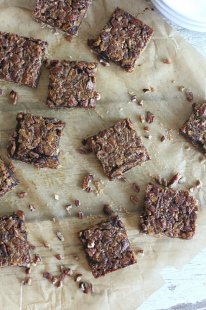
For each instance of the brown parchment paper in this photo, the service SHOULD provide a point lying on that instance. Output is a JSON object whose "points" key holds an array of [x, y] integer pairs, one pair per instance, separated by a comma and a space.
{"points": [[128, 288]]}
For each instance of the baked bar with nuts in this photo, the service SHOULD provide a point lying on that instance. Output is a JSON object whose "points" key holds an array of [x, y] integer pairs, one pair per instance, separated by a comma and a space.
{"points": [[64, 15], [107, 247], [7, 178], [21, 59], [14, 247], [72, 84], [122, 40], [194, 129], [169, 212], [36, 140], [118, 148]]}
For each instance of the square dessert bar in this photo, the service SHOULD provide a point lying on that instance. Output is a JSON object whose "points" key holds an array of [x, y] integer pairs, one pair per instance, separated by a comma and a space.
{"points": [[72, 84], [118, 148], [195, 128], [36, 140], [122, 40], [7, 178], [21, 59], [14, 247], [64, 15], [107, 247], [168, 212]]}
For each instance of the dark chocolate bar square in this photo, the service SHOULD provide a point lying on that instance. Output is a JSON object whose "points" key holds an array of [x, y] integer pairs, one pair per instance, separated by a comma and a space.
{"points": [[64, 15], [118, 148], [107, 247], [36, 140], [194, 130], [169, 212], [21, 59], [14, 247], [122, 40], [7, 178], [72, 84]]}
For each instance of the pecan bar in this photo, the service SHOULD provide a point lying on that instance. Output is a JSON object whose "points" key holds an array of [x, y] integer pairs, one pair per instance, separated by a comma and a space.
{"points": [[7, 178], [36, 140], [195, 128], [64, 15], [168, 212], [122, 40], [107, 247], [21, 59], [14, 247], [118, 148], [72, 84]]}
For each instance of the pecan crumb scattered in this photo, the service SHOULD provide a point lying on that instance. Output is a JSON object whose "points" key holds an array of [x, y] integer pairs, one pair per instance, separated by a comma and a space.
{"points": [[83, 150], [98, 185], [59, 256], [146, 128], [133, 97], [28, 270], [78, 277], [13, 96], [77, 203], [136, 187], [141, 103], [60, 236], [174, 180], [32, 208], [86, 287], [189, 95], [56, 197], [122, 178], [108, 210], [21, 194], [167, 61], [46, 245], [181, 88], [80, 215], [146, 90], [162, 139], [26, 281], [198, 184], [86, 182], [142, 118], [37, 259], [149, 137], [68, 208], [134, 199], [149, 117]]}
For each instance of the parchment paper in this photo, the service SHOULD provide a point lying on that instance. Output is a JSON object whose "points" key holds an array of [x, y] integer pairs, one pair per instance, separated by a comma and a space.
{"points": [[128, 288]]}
